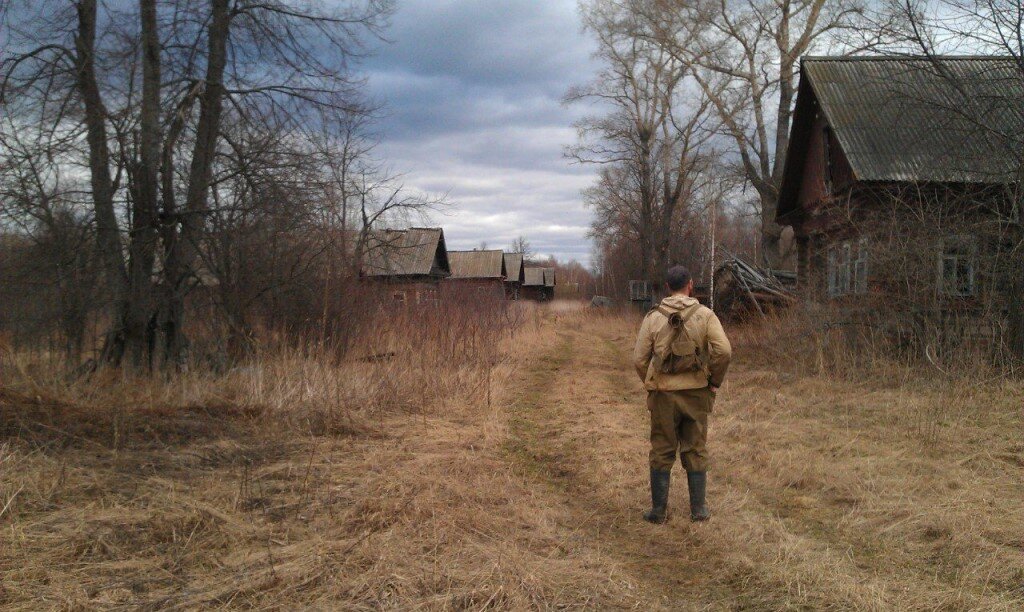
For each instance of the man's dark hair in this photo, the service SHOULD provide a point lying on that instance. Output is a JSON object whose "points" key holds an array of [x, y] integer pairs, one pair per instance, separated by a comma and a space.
{"points": [[677, 277]]}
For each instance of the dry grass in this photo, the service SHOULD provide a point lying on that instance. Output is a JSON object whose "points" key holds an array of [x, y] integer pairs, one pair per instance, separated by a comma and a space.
{"points": [[393, 483]]}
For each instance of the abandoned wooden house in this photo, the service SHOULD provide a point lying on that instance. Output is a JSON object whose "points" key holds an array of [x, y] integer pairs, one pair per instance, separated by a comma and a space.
{"points": [[535, 285], [407, 264], [549, 282], [481, 271], [898, 177], [514, 275]]}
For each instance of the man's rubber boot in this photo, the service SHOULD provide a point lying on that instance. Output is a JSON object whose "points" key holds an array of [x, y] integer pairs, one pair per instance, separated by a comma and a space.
{"points": [[697, 482], [660, 481]]}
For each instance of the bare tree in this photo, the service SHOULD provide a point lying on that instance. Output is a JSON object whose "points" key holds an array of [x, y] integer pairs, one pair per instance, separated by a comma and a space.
{"points": [[653, 144], [743, 54], [522, 246], [151, 152]]}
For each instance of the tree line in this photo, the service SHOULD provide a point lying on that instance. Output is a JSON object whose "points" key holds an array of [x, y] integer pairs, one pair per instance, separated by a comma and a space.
{"points": [[155, 156]]}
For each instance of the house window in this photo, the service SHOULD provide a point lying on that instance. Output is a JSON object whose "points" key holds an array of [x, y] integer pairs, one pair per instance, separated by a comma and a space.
{"points": [[847, 275], [398, 296], [957, 263], [860, 268], [427, 296]]}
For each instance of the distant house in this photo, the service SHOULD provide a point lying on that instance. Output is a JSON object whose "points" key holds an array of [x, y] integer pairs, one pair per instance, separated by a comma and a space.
{"points": [[538, 284], [484, 271], [408, 264], [514, 275], [549, 282], [897, 174]]}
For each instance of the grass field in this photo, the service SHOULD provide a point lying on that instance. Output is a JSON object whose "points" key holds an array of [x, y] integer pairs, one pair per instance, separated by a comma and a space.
{"points": [[509, 484]]}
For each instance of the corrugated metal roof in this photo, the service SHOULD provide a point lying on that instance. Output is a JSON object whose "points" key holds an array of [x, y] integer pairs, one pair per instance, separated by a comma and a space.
{"points": [[477, 264], [549, 277], [534, 277], [514, 267], [411, 252], [947, 119]]}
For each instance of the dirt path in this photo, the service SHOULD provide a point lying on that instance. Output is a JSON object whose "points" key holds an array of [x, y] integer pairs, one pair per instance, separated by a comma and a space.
{"points": [[580, 432], [796, 523]]}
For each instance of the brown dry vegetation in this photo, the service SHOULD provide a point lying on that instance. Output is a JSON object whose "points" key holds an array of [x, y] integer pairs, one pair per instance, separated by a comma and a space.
{"points": [[299, 481]]}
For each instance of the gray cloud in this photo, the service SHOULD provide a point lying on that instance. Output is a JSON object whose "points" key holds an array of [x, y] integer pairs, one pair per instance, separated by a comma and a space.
{"points": [[473, 90]]}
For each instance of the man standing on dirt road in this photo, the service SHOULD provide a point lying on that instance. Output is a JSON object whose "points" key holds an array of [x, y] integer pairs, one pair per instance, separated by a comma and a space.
{"points": [[681, 356]]}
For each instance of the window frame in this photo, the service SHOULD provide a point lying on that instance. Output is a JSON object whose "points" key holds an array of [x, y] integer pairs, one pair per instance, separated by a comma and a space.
{"points": [[958, 248], [847, 275], [861, 268]]}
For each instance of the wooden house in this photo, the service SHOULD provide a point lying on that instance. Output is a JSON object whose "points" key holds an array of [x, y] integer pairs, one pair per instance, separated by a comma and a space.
{"points": [[514, 275], [535, 285], [549, 282], [483, 272], [407, 264], [892, 163]]}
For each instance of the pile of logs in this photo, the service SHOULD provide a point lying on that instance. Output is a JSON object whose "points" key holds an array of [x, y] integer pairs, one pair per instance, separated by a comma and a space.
{"points": [[742, 290]]}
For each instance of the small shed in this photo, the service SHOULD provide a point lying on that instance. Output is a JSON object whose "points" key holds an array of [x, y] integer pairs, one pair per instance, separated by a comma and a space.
{"points": [[514, 275], [407, 264]]}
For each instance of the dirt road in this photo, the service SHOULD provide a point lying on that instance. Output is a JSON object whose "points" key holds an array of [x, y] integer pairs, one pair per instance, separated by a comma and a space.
{"points": [[820, 500]]}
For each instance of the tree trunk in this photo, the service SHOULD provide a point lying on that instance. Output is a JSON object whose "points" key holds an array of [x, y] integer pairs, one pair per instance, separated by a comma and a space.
{"points": [[108, 235], [771, 233], [184, 250], [139, 311]]}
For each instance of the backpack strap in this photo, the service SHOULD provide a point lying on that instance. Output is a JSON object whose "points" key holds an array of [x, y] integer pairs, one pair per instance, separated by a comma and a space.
{"points": [[668, 312]]}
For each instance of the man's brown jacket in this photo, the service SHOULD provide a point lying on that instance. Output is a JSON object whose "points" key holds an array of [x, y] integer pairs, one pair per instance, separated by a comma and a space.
{"points": [[705, 329]]}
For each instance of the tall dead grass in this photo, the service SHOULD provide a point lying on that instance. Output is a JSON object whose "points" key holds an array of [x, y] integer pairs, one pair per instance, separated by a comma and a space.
{"points": [[934, 384], [367, 478]]}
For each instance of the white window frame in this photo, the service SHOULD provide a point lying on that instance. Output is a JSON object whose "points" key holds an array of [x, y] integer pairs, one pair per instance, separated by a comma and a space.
{"points": [[953, 251], [842, 269], [860, 268]]}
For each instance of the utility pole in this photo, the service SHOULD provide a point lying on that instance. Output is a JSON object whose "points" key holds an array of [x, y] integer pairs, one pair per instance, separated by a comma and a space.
{"points": [[714, 239]]}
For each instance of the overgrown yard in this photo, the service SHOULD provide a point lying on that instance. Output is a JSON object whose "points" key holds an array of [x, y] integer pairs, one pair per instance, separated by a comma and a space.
{"points": [[516, 482]]}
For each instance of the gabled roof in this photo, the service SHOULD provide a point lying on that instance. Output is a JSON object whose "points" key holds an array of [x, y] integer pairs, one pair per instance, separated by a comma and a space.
{"points": [[477, 264], [549, 277], [912, 119], [534, 277], [412, 252], [514, 267]]}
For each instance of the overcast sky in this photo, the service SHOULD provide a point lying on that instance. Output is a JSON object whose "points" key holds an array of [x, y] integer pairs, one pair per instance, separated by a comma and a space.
{"points": [[473, 90]]}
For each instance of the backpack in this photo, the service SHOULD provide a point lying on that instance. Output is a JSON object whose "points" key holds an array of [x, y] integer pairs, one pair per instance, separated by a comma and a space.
{"points": [[675, 352]]}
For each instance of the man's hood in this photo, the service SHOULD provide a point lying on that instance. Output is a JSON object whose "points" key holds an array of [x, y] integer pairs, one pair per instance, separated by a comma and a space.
{"points": [[679, 302]]}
